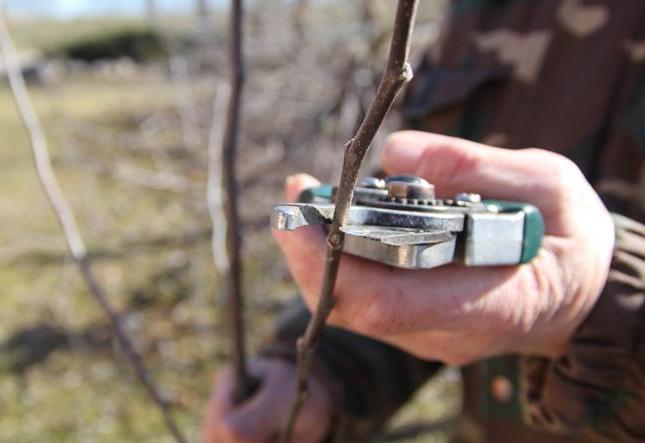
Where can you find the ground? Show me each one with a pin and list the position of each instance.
(136, 181)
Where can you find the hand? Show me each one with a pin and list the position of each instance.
(261, 418)
(459, 314)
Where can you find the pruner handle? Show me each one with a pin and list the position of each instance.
(533, 231)
(316, 194)
(533, 225)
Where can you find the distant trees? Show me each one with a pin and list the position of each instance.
(202, 8)
(202, 13)
(151, 11)
(203, 16)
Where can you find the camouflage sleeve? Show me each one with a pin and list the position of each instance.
(598, 387)
(370, 380)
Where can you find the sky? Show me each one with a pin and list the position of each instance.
(66, 9)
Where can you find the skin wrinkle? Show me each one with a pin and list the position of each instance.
(380, 317)
(502, 323)
(383, 316)
(550, 287)
(447, 306)
(483, 318)
(581, 304)
(515, 319)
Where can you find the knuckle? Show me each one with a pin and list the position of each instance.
(562, 178)
(562, 169)
(445, 164)
(566, 182)
(567, 172)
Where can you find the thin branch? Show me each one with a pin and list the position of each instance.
(397, 73)
(213, 187)
(180, 76)
(299, 18)
(230, 199)
(67, 222)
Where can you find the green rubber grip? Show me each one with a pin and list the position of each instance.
(317, 194)
(533, 226)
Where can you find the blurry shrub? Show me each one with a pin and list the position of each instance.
(138, 44)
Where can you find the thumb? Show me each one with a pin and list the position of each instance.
(455, 165)
(295, 184)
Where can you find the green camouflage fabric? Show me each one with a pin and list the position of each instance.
(563, 75)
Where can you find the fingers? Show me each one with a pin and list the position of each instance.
(295, 184)
(260, 418)
(252, 421)
(454, 165)
(221, 401)
(249, 422)
(219, 406)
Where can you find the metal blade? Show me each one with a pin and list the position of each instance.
(290, 216)
(397, 236)
(408, 256)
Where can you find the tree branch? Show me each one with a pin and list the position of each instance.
(397, 73)
(230, 199)
(214, 192)
(67, 222)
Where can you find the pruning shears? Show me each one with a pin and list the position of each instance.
(399, 221)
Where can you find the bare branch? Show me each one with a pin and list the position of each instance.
(185, 105)
(230, 199)
(397, 73)
(213, 188)
(68, 224)
(299, 18)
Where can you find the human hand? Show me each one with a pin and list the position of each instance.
(459, 314)
(261, 418)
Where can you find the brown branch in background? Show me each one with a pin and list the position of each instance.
(397, 73)
(179, 73)
(214, 192)
(368, 12)
(230, 200)
(68, 225)
(299, 19)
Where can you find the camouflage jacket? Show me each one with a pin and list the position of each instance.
(564, 75)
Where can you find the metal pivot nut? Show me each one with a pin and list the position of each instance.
(409, 187)
(371, 182)
(468, 197)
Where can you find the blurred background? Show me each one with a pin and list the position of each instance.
(130, 94)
